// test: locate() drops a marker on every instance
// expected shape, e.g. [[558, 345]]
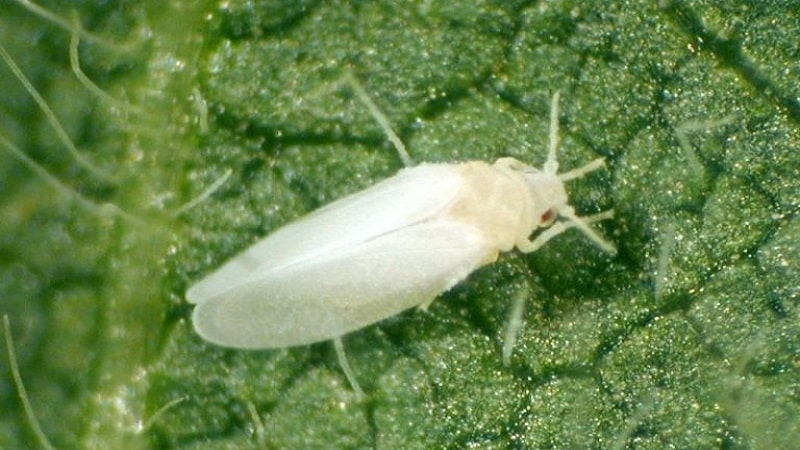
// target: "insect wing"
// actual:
[[335, 293], [411, 196]]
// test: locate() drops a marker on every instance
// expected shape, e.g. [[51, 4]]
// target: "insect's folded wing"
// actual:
[[412, 196], [335, 293]]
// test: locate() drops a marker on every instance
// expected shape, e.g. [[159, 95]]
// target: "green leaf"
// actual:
[[688, 338]]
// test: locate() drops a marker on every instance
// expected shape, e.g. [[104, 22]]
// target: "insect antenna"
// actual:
[[551, 165]]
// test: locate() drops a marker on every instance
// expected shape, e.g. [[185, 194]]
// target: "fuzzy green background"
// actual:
[[688, 338]]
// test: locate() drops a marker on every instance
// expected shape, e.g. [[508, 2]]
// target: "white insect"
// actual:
[[388, 248]]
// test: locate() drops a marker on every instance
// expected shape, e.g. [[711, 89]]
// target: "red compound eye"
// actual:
[[548, 217]]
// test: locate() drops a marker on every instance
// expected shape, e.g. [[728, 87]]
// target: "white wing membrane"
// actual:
[[411, 196], [338, 292]]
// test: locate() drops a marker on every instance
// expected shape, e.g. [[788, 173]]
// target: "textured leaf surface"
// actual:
[[688, 338]]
